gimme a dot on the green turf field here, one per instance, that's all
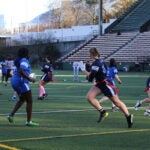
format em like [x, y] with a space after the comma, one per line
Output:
[68, 122]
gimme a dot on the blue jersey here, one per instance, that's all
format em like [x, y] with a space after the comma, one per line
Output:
[19, 83]
[4, 67]
[111, 72]
[98, 71]
[23, 64]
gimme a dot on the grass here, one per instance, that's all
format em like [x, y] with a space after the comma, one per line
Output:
[68, 122]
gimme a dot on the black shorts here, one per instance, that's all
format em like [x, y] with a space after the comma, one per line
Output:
[9, 73]
[108, 89]
[47, 77]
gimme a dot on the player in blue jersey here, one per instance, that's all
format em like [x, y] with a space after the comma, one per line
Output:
[103, 85]
[20, 83]
[4, 71]
[112, 74]
[145, 100]
[47, 70]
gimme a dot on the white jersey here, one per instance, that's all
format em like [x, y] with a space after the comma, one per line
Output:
[9, 64]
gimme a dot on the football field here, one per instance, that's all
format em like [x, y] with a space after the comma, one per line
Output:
[68, 122]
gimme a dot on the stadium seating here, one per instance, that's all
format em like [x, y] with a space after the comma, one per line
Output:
[138, 50]
[133, 21]
[127, 45]
[107, 45]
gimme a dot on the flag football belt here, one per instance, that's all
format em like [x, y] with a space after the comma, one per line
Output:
[109, 84]
[147, 88]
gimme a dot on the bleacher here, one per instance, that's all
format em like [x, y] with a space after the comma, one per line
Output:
[106, 44]
[129, 46]
[135, 19]
[138, 50]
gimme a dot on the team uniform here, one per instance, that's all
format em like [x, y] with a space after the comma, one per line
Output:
[9, 64]
[4, 71]
[4, 68]
[47, 69]
[46, 77]
[147, 85]
[102, 85]
[99, 73]
[111, 72]
[20, 84]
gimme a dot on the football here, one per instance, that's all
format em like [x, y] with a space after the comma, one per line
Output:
[32, 75]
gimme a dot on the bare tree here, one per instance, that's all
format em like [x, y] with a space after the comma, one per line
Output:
[57, 21]
[120, 6]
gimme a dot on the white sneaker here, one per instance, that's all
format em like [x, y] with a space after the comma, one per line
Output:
[137, 105]
[147, 113]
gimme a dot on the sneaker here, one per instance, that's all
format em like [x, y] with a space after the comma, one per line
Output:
[130, 120]
[10, 119]
[137, 105]
[45, 95]
[40, 98]
[115, 109]
[146, 113]
[103, 115]
[31, 124]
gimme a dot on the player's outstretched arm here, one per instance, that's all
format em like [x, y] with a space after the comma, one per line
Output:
[82, 67]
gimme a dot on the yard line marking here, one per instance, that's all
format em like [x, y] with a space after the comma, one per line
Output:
[8, 147]
[53, 111]
[65, 110]
[74, 135]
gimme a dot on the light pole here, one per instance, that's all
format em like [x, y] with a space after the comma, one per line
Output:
[100, 17]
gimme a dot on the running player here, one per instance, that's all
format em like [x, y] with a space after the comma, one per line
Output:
[112, 74]
[46, 77]
[103, 85]
[20, 83]
[146, 100]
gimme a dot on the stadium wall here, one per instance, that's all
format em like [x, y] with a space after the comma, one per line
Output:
[123, 66]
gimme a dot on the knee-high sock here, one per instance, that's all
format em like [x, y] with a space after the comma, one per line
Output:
[42, 90]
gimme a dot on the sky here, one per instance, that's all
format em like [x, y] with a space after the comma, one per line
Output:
[19, 11]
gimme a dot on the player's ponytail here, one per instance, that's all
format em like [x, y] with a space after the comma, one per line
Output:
[94, 52]
[112, 63]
